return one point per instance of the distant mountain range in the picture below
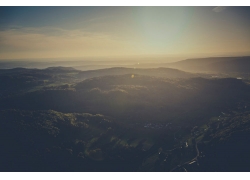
(201, 65)
(214, 64)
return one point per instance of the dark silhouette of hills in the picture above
(157, 72)
(128, 97)
(124, 119)
(60, 69)
(19, 80)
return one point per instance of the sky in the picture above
(64, 32)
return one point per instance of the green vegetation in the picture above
(61, 119)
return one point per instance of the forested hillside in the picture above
(62, 119)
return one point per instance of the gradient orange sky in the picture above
(52, 32)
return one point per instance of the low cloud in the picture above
(52, 42)
(219, 9)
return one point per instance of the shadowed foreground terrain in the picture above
(123, 119)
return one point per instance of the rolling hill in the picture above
(122, 119)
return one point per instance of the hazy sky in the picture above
(49, 32)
